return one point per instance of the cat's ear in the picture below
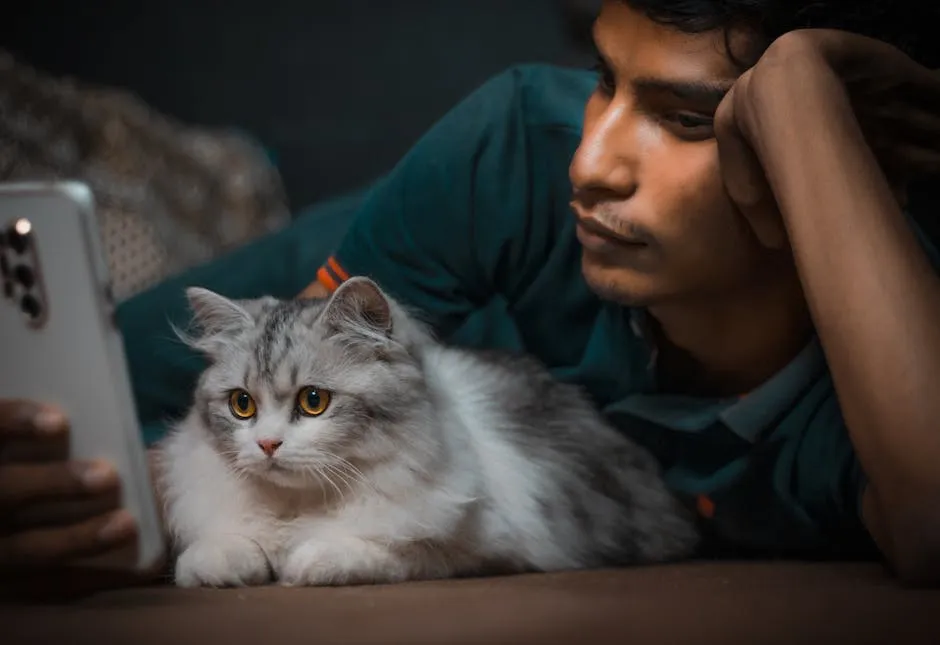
(216, 315)
(359, 305)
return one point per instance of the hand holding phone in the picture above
(75, 487)
(53, 510)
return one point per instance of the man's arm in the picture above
(315, 291)
(873, 295)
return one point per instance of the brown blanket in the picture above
(759, 603)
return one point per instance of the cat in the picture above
(338, 442)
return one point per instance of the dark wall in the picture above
(337, 89)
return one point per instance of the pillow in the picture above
(169, 195)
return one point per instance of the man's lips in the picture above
(589, 229)
(592, 234)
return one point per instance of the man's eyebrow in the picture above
(710, 92)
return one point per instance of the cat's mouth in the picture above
(277, 472)
(266, 466)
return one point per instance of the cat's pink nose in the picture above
(269, 446)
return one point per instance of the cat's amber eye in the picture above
(241, 404)
(313, 401)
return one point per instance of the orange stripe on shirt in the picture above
(337, 269)
(324, 278)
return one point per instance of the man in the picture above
(714, 247)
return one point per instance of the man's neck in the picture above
(730, 347)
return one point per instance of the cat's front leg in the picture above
(223, 561)
(342, 561)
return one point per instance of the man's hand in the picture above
(895, 100)
(52, 510)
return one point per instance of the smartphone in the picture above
(61, 344)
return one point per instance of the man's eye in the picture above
(690, 121)
(605, 78)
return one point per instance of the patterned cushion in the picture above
(169, 195)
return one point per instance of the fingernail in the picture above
(120, 526)
(96, 475)
(49, 421)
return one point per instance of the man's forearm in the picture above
(874, 298)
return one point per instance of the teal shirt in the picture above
(473, 228)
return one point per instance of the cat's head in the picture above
(301, 391)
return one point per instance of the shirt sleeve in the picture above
(817, 473)
(445, 231)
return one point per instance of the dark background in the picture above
(338, 90)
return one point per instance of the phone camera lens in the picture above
(4, 266)
(30, 306)
(24, 275)
(8, 289)
(19, 234)
(19, 243)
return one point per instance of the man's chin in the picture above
(622, 286)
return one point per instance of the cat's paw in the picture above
(229, 561)
(343, 563)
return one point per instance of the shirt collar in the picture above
(746, 416)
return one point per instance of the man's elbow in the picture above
(917, 568)
(908, 535)
(915, 551)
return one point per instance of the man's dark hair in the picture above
(912, 26)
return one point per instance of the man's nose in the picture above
(606, 159)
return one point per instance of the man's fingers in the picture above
(57, 545)
(901, 123)
(26, 483)
(745, 181)
(920, 87)
(905, 161)
(915, 162)
(31, 449)
(60, 512)
(19, 417)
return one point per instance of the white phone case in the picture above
(72, 353)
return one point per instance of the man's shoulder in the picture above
(547, 96)
(488, 174)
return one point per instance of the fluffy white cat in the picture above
(337, 442)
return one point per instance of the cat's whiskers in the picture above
(354, 472)
(234, 462)
(349, 480)
(316, 477)
(323, 475)
(240, 473)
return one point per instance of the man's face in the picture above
(654, 220)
